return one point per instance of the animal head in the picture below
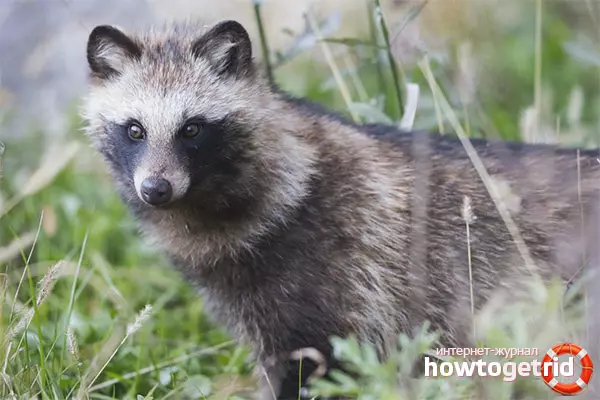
(172, 110)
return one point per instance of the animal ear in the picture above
(108, 49)
(227, 47)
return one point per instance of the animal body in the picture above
(295, 224)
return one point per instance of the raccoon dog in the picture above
(297, 225)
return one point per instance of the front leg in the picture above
(270, 377)
(287, 377)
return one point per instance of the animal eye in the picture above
(135, 132)
(191, 130)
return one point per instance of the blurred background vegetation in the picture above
(523, 70)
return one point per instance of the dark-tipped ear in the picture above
(227, 47)
(108, 49)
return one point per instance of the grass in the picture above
(90, 311)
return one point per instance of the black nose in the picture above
(156, 191)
